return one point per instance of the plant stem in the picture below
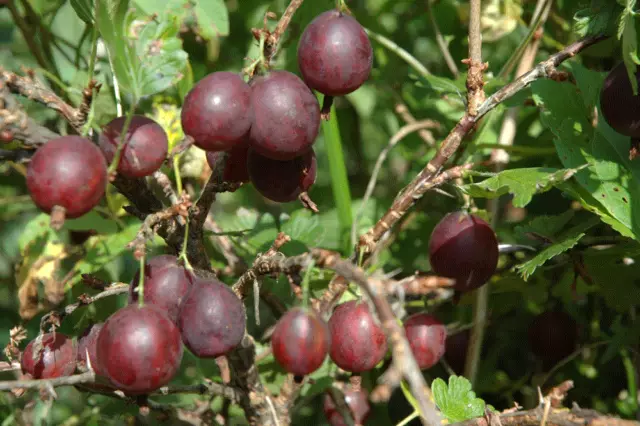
(123, 136)
(403, 54)
(141, 283)
(631, 378)
(305, 284)
(338, 171)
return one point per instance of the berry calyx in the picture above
(426, 336)
(67, 174)
(145, 148)
(334, 54)
(553, 335)
(300, 342)
(618, 104)
(165, 284)
(285, 116)
(211, 319)
(235, 170)
(56, 359)
(358, 403)
(282, 181)
(357, 342)
(465, 248)
(139, 349)
(217, 111)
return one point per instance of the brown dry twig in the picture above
(88, 377)
(272, 39)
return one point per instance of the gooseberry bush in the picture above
(325, 212)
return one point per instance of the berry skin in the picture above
(426, 336)
(357, 342)
(285, 116)
(618, 104)
(57, 359)
(236, 168)
(165, 284)
(465, 248)
(300, 342)
(282, 181)
(145, 149)
(553, 335)
(87, 344)
(211, 319)
(217, 111)
(455, 352)
(68, 172)
(334, 54)
(358, 403)
(139, 349)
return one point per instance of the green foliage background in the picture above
(568, 181)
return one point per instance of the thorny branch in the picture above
(88, 377)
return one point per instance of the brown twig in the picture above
(442, 44)
(403, 111)
(88, 377)
(421, 284)
(272, 39)
(208, 388)
(235, 264)
(475, 80)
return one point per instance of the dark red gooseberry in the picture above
(87, 345)
(165, 284)
(57, 359)
(145, 146)
(235, 170)
(282, 181)
(335, 54)
(212, 319)
(357, 342)
(465, 248)
(69, 172)
(217, 111)
(618, 104)
(426, 336)
(139, 349)
(553, 335)
(456, 347)
(358, 403)
(285, 116)
(300, 342)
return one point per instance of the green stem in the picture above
(338, 171)
(305, 285)
(408, 419)
(403, 54)
(480, 308)
(631, 378)
(94, 52)
(141, 284)
(123, 136)
(185, 242)
(176, 172)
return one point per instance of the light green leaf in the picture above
(37, 229)
(567, 241)
(457, 402)
(213, 18)
(547, 226)
(92, 220)
(522, 183)
(304, 226)
(84, 9)
(151, 7)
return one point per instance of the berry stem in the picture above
(123, 135)
(305, 285)
(92, 65)
(140, 288)
(183, 251)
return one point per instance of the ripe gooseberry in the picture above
(235, 170)
(139, 349)
(300, 342)
(426, 336)
(465, 248)
(285, 116)
(217, 111)
(211, 319)
(165, 284)
(68, 174)
(57, 358)
(553, 335)
(282, 181)
(357, 342)
(618, 104)
(334, 54)
(358, 403)
(145, 148)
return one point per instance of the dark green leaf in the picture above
(84, 9)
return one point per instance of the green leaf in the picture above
(522, 183)
(457, 402)
(92, 220)
(84, 9)
(547, 226)
(104, 251)
(629, 43)
(159, 55)
(304, 226)
(601, 17)
(567, 241)
(35, 230)
(213, 18)
(151, 7)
